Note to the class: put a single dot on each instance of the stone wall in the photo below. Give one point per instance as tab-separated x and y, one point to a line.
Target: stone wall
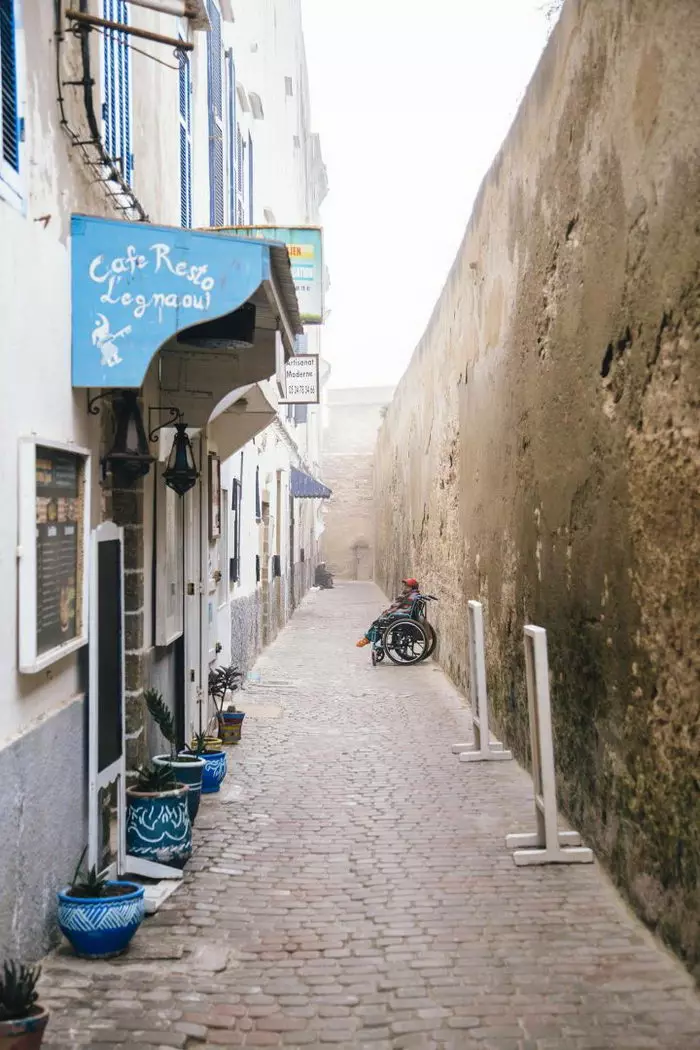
541	452
349	437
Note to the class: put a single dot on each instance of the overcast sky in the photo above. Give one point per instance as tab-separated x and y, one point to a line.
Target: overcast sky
412	99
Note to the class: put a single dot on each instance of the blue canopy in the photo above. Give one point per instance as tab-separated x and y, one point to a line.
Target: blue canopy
304	487
136	286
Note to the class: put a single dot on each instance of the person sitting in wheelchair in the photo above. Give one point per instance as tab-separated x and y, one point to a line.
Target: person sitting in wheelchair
402	605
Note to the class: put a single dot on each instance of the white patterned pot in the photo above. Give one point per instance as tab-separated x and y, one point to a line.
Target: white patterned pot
99	927
158	826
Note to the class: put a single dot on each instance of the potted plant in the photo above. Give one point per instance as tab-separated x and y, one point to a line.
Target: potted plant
187	768
158	825
222	681
99	916
22	1019
215	763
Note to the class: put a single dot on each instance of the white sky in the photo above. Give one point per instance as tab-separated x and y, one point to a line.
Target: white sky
412	99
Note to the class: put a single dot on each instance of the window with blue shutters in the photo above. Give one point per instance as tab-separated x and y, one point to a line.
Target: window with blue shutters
185	102
216	118
116	106
10	125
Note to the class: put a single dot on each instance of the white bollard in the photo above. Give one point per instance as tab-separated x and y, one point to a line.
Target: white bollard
483	749
547	845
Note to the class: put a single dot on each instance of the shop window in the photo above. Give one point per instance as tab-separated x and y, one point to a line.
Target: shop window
11	125
116	74
216	118
185	118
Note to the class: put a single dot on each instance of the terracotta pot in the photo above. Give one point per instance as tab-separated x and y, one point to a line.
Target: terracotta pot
24	1034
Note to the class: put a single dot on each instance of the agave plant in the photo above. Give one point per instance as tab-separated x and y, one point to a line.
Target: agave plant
18	995
91	884
223	680
156	779
199	744
163	717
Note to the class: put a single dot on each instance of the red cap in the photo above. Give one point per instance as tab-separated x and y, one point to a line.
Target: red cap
410	582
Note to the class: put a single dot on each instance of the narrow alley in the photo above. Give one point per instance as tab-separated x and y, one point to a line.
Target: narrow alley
351	886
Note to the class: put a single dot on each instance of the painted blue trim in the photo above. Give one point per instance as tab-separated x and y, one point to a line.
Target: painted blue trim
135	286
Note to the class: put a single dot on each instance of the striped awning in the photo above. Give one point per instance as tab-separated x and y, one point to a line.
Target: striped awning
305	487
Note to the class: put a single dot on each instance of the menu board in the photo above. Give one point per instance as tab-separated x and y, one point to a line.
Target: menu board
59	515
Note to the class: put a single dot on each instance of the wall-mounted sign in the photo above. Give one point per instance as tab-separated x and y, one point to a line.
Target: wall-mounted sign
305	248
302	380
134	286
53	526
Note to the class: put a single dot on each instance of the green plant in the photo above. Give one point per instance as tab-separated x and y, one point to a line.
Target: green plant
91	884
18	995
199	745
156	779
163	717
223	680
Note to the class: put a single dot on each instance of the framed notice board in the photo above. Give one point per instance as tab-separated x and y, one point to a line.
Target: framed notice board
54	513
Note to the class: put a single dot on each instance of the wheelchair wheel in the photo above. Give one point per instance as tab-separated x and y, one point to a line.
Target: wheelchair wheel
405	641
377	656
432	639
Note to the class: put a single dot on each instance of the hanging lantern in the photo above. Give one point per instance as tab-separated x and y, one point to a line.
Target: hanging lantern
129	458
181	472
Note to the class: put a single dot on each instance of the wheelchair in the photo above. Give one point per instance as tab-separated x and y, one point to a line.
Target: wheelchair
405	637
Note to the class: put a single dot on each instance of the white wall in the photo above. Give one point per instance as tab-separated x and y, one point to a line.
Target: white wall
35	296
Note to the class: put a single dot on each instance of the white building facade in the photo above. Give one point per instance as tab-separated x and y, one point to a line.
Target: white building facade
178	124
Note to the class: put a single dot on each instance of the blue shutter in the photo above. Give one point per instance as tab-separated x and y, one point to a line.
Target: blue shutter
250	179
9	116
232	118
185	94
216	136
116	110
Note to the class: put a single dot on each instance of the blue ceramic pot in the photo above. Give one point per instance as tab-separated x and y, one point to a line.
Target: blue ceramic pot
158	826
215	765
189	774
99	927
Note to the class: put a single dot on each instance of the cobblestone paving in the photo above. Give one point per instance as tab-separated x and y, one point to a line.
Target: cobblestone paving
351	887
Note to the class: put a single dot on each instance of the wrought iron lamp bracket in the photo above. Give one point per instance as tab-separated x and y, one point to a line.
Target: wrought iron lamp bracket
175	416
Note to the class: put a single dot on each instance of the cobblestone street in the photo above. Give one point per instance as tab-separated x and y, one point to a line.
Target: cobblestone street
350	886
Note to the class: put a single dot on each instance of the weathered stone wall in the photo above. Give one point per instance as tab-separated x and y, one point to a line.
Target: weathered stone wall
541	452
348	441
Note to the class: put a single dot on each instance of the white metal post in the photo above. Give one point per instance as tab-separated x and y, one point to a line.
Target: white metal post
547	845
483	749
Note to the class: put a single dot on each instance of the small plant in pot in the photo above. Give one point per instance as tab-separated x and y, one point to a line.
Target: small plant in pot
22	1019
99	916
223	681
158	825
187	768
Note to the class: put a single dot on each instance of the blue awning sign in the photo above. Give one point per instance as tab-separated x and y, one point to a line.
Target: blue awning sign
135	286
